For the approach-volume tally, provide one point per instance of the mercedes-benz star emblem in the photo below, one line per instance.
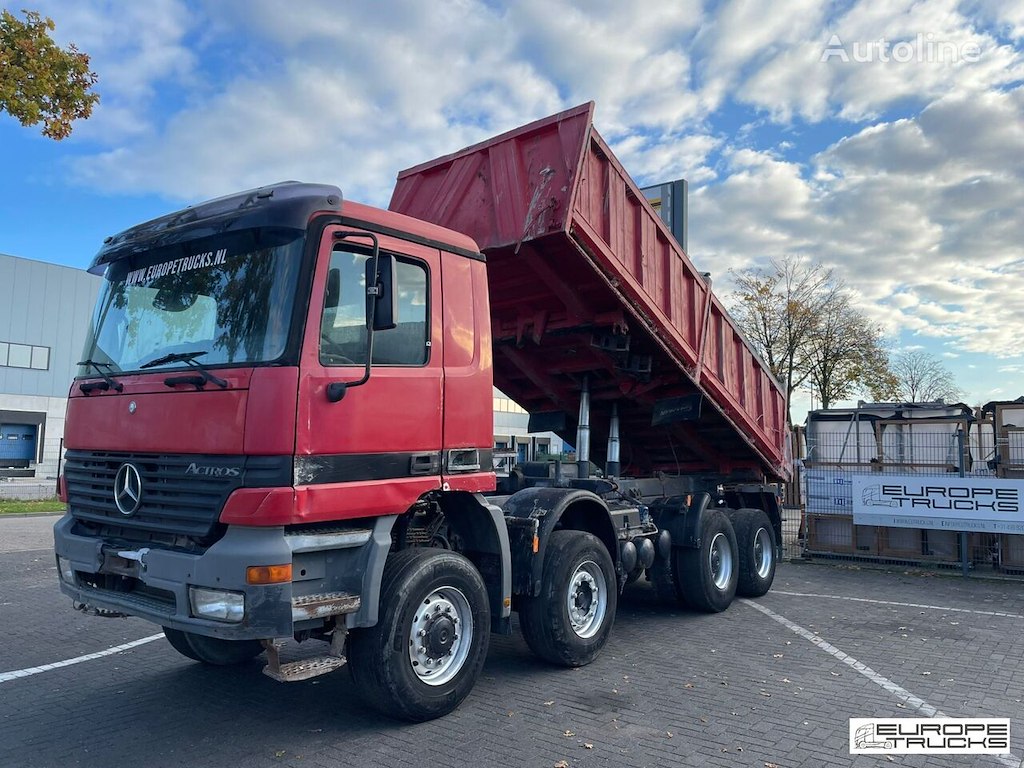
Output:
(127, 489)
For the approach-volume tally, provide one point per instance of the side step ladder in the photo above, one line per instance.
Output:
(313, 607)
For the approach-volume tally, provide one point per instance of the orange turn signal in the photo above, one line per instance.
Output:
(268, 574)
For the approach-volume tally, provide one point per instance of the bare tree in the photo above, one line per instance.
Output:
(918, 377)
(779, 311)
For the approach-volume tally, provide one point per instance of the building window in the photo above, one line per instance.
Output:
(24, 356)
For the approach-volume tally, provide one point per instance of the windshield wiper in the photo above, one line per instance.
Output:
(189, 358)
(174, 357)
(108, 380)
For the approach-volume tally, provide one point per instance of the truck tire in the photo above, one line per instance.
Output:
(426, 651)
(568, 623)
(179, 642)
(755, 538)
(706, 577)
(212, 650)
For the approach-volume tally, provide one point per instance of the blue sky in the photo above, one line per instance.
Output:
(898, 160)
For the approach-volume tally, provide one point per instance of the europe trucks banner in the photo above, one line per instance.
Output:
(953, 504)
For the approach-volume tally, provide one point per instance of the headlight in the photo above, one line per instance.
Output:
(216, 604)
(67, 571)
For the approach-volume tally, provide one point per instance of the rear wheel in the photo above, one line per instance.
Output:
(425, 653)
(213, 650)
(755, 538)
(569, 621)
(707, 576)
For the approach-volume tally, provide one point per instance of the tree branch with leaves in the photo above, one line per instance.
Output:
(778, 309)
(845, 352)
(801, 318)
(40, 82)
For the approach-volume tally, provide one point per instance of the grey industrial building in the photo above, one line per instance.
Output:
(44, 315)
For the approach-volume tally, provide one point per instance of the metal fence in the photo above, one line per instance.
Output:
(834, 459)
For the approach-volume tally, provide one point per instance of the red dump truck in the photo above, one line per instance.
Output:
(282, 426)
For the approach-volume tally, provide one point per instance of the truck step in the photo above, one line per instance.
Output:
(305, 669)
(322, 605)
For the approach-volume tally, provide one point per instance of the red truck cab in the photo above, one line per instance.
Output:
(234, 467)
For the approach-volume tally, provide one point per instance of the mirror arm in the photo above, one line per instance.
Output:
(336, 390)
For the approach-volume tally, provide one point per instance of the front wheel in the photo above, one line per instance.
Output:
(707, 576)
(426, 651)
(213, 650)
(569, 621)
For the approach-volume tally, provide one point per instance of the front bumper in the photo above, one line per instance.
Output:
(153, 584)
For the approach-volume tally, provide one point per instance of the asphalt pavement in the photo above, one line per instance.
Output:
(770, 682)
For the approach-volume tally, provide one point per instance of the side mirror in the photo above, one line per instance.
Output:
(382, 296)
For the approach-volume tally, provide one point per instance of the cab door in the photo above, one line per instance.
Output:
(377, 449)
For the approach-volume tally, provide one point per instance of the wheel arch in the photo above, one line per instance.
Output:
(553, 509)
(482, 529)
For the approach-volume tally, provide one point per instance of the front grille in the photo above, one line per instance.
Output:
(182, 495)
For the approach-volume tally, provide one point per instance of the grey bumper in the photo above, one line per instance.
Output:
(160, 578)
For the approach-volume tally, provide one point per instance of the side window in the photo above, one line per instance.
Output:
(343, 328)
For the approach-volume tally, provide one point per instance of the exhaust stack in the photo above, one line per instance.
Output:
(583, 432)
(613, 466)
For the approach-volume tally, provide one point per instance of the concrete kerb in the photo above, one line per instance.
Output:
(32, 514)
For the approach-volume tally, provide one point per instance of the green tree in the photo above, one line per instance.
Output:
(845, 352)
(802, 320)
(778, 309)
(39, 80)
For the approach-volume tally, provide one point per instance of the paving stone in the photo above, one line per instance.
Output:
(672, 688)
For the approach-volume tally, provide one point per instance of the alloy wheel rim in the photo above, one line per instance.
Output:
(720, 561)
(441, 636)
(587, 599)
(763, 554)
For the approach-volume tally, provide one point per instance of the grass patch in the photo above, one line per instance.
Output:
(15, 507)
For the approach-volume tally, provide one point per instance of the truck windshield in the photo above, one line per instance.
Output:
(228, 298)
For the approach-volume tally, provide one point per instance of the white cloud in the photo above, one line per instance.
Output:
(920, 211)
(945, 49)
(660, 158)
(920, 215)
(133, 48)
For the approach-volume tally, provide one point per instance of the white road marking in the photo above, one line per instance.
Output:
(902, 605)
(17, 674)
(901, 693)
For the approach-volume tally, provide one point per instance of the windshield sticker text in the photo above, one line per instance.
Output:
(177, 266)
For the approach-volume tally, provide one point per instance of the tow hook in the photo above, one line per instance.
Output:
(92, 610)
